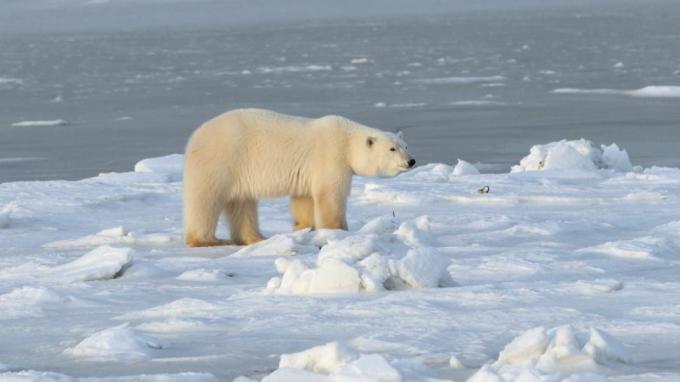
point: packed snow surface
(564, 269)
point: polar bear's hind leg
(243, 224)
(302, 210)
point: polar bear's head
(379, 153)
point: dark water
(463, 81)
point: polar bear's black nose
(411, 162)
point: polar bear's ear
(370, 141)
(400, 134)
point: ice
(615, 158)
(334, 362)
(295, 68)
(371, 367)
(41, 376)
(644, 248)
(27, 302)
(204, 275)
(459, 80)
(170, 165)
(368, 262)
(604, 348)
(102, 263)
(52, 122)
(479, 102)
(322, 359)
(663, 91)
(578, 155)
(464, 168)
(5, 216)
(114, 344)
(540, 354)
(181, 308)
(423, 268)
(540, 249)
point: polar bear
(243, 155)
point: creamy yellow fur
(247, 154)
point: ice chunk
(574, 155)
(323, 359)
(423, 268)
(52, 122)
(102, 263)
(604, 348)
(207, 275)
(170, 165)
(615, 158)
(373, 368)
(119, 343)
(334, 276)
(530, 344)
(464, 168)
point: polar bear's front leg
(329, 210)
(302, 210)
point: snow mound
(27, 302)
(368, 262)
(54, 122)
(333, 362)
(102, 263)
(206, 275)
(464, 168)
(182, 308)
(170, 165)
(574, 155)
(553, 354)
(119, 343)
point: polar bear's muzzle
(411, 163)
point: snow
(53, 122)
(560, 272)
(653, 91)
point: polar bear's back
(255, 151)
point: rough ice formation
(372, 260)
(553, 355)
(574, 155)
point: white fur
(247, 154)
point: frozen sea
(541, 257)
(94, 86)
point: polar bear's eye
(393, 149)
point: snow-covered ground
(565, 269)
